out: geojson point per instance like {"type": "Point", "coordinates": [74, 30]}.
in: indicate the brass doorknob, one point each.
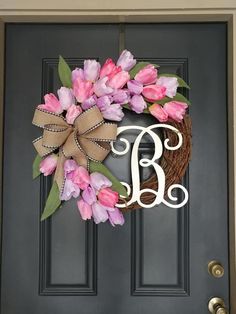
{"type": "Point", "coordinates": [217, 306]}
{"type": "Point", "coordinates": [216, 269]}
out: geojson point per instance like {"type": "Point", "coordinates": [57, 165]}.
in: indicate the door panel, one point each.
{"type": "Point", "coordinates": [157, 262]}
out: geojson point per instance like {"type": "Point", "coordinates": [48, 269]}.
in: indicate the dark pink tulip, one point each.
{"type": "Point", "coordinates": [158, 112]}
{"type": "Point", "coordinates": [146, 76]}
{"type": "Point", "coordinates": [176, 110]}
{"type": "Point", "coordinates": [154, 92]}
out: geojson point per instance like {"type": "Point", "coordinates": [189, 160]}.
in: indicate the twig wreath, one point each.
{"type": "Point", "coordinates": [80, 128]}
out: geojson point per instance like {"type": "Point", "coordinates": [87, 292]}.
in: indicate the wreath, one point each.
{"type": "Point", "coordinates": [80, 127]}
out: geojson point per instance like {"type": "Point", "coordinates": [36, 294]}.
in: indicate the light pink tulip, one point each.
{"type": "Point", "coordinates": [70, 190]}
{"type": "Point", "coordinates": [126, 60]}
{"type": "Point", "coordinates": [91, 70]}
{"type": "Point", "coordinates": [176, 110]}
{"type": "Point", "coordinates": [104, 102]}
{"type": "Point", "coordinates": [99, 181]}
{"type": "Point", "coordinates": [89, 195]}
{"type": "Point", "coordinates": [108, 197]}
{"type": "Point", "coordinates": [121, 96]}
{"type": "Point", "coordinates": [154, 92]}
{"type": "Point", "coordinates": [81, 177]}
{"type": "Point", "coordinates": [77, 73]}
{"type": "Point", "coordinates": [99, 213]}
{"type": "Point", "coordinates": [116, 217]}
{"type": "Point", "coordinates": [109, 69]}
{"type": "Point", "coordinates": [72, 113]}
{"type": "Point", "coordinates": [66, 97]}
{"type": "Point", "coordinates": [52, 104]}
{"type": "Point", "coordinates": [69, 166]}
{"type": "Point", "coordinates": [158, 112]}
{"type": "Point", "coordinates": [147, 75]}
{"type": "Point", "coordinates": [138, 104]}
{"type": "Point", "coordinates": [119, 80]}
{"type": "Point", "coordinates": [90, 102]}
{"type": "Point", "coordinates": [135, 87]}
{"type": "Point", "coordinates": [170, 83]}
{"type": "Point", "coordinates": [82, 89]}
{"type": "Point", "coordinates": [113, 112]}
{"type": "Point", "coordinates": [100, 87]}
{"type": "Point", "coordinates": [48, 165]}
{"type": "Point", "coordinates": [85, 209]}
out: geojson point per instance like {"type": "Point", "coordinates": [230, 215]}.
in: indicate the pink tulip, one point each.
{"type": "Point", "coordinates": [66, 97]}
{"type": "Point", "coordinates": [176, 110]}
{"type": "Point", "coordinates": [108, 197]}
{"type": "Point", "coordinates": [170, 83]}
{"type": "Point", "coordinates": [158, 112]}
{"type": "Point", "coordinates": [81, 177]}
{"type": "Point", "coordinates": [91, 70]}
{"type": "Point", "coordinates": [119, 80]}
{"type": "Point", "coordinates": [126, 60]}
{"type": "Point", "coordinates": [85, 209]}
{"type": "Point", "coordinates": [99, 181]}
{"type": "Point", "coordinates": [104, 102]}
{"type": "Point", "coordinates": [82, 89]}
{"type": "Point", "coordinates": [70, 189]}
{"type": "Point", "coordinates": [116, 217]}
{"type": "Point", "coordinates": [89, 195]}
{"type": "Point", "coordinates": [72, 113]}
{"type": "Point", "coordinates": [101, 88]}
{"type": "Point", "coordinates": [48, 165]}
{"type": "Point", "coordinates": [121, 96]}
{"type": "Point", "coordinates": [77, 73]}
{"type": "Point", "coordinates": [138, 104]}
{"type": "Point", "coordinates": [135, 87]}
{"type": "Point", "coordinates": [147, 75]}
{"type": "Point", "coordinates": [52, 104]}
{"type": "Point", "coordinates": [90, 102]}
{"type": "Point", "coordinates": [69, 166]}
{"type": "Point", "coordinates": [109, 69]}
{"type": "Point", "coordinates": [99, 213]}
{"type": "Point", "coordinates": [154, 92]}
{"type": "Point", "coordinates": [113, 112]}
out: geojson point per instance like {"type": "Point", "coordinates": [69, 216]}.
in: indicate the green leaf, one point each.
{"type": "Point", "coordinates": [180, 97]}
{"type": "Point", "coordinates": [139, 66]}
{"type": "Point", "coordinates": [116, 185]}
{"type": "Point", "coordinates": [36, 164]}
{"type": "Point", "coordinates": [181, 82]}
{"type": "Point", "coordinates": [52, 203]}
{"type": "Point", "coordinates": [64, 72]}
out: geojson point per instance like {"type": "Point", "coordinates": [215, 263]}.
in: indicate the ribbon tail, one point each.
{"type": "Point", "coordinates": [59, 173]}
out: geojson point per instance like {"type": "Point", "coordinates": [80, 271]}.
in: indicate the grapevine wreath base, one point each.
{"type": "Point", "coordinates": [80, 125]}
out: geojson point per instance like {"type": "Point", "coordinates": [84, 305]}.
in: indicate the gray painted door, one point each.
{"type": "Point", "coordinates": [157, 262]}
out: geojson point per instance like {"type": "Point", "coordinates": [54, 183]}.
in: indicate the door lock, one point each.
{"type": "Point", "coordinates": [217, 306]}
{"type": "Point", "coordinates": [216, 269]}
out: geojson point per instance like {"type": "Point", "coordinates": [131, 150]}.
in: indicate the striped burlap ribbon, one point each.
{"type": "Point", "coordinates": [88, 139]}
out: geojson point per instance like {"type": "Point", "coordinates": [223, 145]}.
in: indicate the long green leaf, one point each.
{"type": "Point", "coordinates": [181, 82]}
{"type": "Point", "coordinates": [64, 72]}
{"type": "Point", "coordinates": [116, 185]}
{"type": "Point", "coordinates": [52, 203]}
{"type": "Point", "coordinates": [35, 166]}
{"type": "Point", "coordinates": [139, 66]}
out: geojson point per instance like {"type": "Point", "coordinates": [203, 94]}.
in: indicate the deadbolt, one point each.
{"type": "Point", "coordinates": [217, 306]}
{"type": "Point", "coordinates": [216, 269]}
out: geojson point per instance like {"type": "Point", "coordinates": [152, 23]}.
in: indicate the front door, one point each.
{"type": "Point", "coordinates": [158, 261]}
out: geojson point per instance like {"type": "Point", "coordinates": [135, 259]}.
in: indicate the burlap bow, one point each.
{"type": "Point", "coordinates": [88, 139]}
